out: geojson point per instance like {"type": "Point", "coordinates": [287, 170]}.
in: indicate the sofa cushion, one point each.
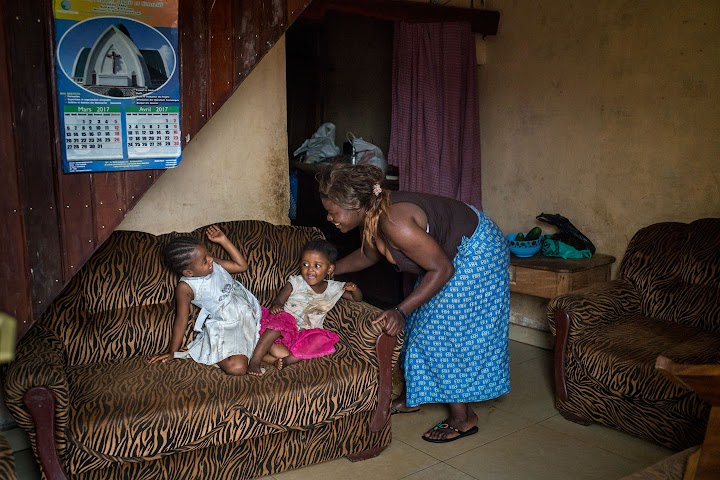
{"type": "Point", "coordinates": [129, 410]}
{"type": "Point", "coordinates": [621, 356]}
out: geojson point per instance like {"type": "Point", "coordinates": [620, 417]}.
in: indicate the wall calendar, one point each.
{"type": "Point", "coordinates": [118, 84]}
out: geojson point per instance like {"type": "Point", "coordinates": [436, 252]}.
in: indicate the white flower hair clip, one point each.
{"type": "Point", "coordinates": [377, 189]}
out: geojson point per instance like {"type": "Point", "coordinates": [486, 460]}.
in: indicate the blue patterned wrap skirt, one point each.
{"type": "Point", "coordinates": [456, 344]}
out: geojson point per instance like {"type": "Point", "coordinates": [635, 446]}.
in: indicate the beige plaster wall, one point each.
{"type": "Point", "coordinates": [607, 112]}
{"type": "Point", "coordinates": [236, 167]}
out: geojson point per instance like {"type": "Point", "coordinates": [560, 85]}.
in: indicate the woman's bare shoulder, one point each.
{"type": "Point", "coordinates": [403, 217]}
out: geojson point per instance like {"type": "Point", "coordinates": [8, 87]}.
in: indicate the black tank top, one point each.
{"type": "Point", "coordinates": [449, 220]}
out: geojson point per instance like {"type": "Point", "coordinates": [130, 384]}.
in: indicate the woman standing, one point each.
{"type": "Point", "coordinates": [456, 319]}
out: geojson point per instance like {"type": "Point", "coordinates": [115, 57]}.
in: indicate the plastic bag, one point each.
{"type": "Point", "coordinates": [320, 146]}
{"type": "Point", "coordinates": [567, 233]}
{"type": "Point", "coordinates": [366, 153]}
{"type": "Point", "coordinates": [556, 248]}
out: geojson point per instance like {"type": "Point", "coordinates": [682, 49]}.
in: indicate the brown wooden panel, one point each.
{"type": "Point", "coordinates": [15, 295]}
{"type": "Point", "coordinates": [484, 22]}
{"type": "Point", "coordinates": [29, 57]}
{"type": "Point", "coordinates": [295, 8]}
{"type": "Point", "coordinates": [76, 220]}
{"type": "Point", "coordinates": [109, 202]}
{"type": "Point", "coordinates": [222, 56]}
{"type": "Point", "coordinates": [193, 53]}
{"type": "Point", "coordinates": [137, 183]}
{"type": "Point", "coordinates": [272, 23]}
{"type": "Point", "coordinates": [246, 38]}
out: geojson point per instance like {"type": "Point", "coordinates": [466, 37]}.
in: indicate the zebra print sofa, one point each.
{"type": "Point", "coordinates": [666, 300]}
{"type": "Point", "coordinates": [94, 408]}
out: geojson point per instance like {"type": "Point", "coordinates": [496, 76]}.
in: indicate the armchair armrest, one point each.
{"type": "Point", "coordinates": [37, 394]}
{"type": "Point", "coordinates": [575, 314]}
{"type": "Point", "coordinates": [594, 306]}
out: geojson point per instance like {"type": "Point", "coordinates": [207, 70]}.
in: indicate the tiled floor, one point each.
{"type": "Point", "coordinates": [521, 437]}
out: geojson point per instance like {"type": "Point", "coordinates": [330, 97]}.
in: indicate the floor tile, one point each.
{"type": "Point", "coordinates": [539, 453]}
{"type": "Point", "coordinates": [492, 424]}
{"type": "Point", "coordinates": [522, 352]}
{"type": "Point", "coordinates": [397, 461]}
{"type": "Point", "coordinates": [531, 392]}
{"type": "Point", "coordinates": [441, 471]}
{"type": "Point", "coordinates": [26, 467]}
{"type": "Point", "coordinates": [609, 439]}
{"type": "Point", "coordinates": [17, 438]}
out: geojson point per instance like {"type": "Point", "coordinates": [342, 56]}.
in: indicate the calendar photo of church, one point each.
{"type": "Point", "coordinates": [116, 62]}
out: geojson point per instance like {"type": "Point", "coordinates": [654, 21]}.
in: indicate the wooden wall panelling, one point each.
{"type": "Point", "coordinates": [295, 9]}
{"type": "Point", "coordinates": [222, 56]}
{"type": "Point", "coordinates": [137, 183]}
{"type": "Point", "coordinates": [73, 207]}
{"type": "Point", "coordinates": [34, 145]}
{"type": "Point", "coordinates": [247, 38]}
{"type": "Point", "coordinates": [193, 53]}
{"type": "Point", "coordinates": [15, 286]}
{"type": "Point", "coordinates": [109, 202]}
{"type": "Point", "coordinates": [76, 220]}
{"type": "Point", "coordinates": [274, 23]}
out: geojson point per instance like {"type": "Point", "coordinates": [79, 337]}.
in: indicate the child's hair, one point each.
{"type": "Point", "coordinates": [178, 253]}
{"type": "Point", "coordinates": [324, 247]}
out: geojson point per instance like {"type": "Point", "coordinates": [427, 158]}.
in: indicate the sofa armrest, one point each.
{"type": "Point", "coordinates": [352, 321]}
{"type": "Point", "coordinates": [576, 314]}
{"type": "Point", "coordinates": [37, 394]}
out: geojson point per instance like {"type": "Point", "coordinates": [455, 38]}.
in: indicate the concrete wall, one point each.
{"type": "Point", "coordinates": [607, 112]}
{"type": "Point", "coordinates": [237, 166]}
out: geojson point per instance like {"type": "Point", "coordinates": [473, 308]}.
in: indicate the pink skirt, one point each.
{"type": "Point", "coordinates": [308, 343]}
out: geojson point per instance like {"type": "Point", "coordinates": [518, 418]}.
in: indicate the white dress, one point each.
{"type": "Point", "coordinates": [229, 318]}
{"type": "Point", "coordinates": [309, 308]}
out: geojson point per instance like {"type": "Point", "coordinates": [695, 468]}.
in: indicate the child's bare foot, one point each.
{"type": "Point", "coordinates": [255, 368]}
{"type": "Point", "coordinates": [280, 363]}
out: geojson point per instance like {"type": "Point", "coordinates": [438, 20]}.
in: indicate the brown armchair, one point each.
{"type": "Point", "coordinates": [665, 301]}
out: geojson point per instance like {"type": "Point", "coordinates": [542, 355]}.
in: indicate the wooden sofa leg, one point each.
{"type": "Point", "coordinates": [384, 347]}
{"type": "Point", "coordinates": [40, 402]}
{"type": "Point", "coordinates": [562, 331]}
{"type": "Point", "coordinates": [365, 454]}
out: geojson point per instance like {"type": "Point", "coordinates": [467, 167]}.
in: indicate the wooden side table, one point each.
{"type": "Point", "coordinates": [548, 277]}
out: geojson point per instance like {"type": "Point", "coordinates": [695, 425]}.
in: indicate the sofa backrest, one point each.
{"type": "Point", "coordinates": [676, 269]}
{"type": "Point", "coordinates": [121, 303]}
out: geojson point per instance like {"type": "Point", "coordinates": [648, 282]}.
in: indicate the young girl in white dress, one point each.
{"type": "Point", "coordinates": [291, 330]}
{"type": "Point", "coordinates": [229, 318]}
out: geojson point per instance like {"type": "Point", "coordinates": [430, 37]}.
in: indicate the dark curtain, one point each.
{"type": "Point", "coordinates": [435, 130]}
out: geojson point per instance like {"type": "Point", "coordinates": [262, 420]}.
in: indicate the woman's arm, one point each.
{"type": "Point", "coordinates": [357, 260]}
{"type": "Point", "coordinates": [237, 262]}
{"type": "Point", "coordinates": [183, 296]}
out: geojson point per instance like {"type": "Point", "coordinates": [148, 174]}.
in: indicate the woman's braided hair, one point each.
{"type": "Point", "coordinates": [180, 252]}
{"type": "Point", "coordinates": [352, 187]}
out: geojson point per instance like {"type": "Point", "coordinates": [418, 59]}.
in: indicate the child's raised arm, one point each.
{"type": "Point", "coordinates": [183, 296]}
{"type": "Point", "coordinates": [352, 292]}
{"type": "Point", "coordinates": [237, 262]}
{"type": "Point", "coordinates": [277, 305]}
